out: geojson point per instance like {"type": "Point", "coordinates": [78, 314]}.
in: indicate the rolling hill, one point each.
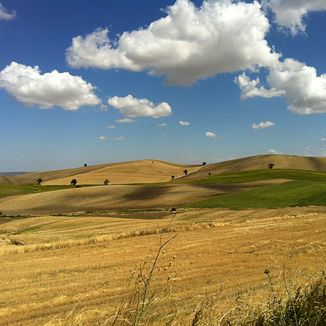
{"type": "Point", "coordinates": [260, 162]}
{"type": "Point", "coordinates": [143, 171]}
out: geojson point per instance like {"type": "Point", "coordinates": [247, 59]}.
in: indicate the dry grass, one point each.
{"type": "Point", "coordinates": [261, 162]}
{"type": "Point", "coordinates": [218, 259]}
{"type": "Point", "coordinates": [145, 171]}
{"type": "Point", "coordinates": [105, 198]}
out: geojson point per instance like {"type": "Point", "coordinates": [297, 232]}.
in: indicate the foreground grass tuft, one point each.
{"type": "Point", "coordinates": [305, 307]}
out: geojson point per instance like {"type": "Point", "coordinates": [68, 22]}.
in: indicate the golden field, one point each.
{"type": "Point", "coordinates": [129, 172]}
{"type": "Point", "coordinates": [75, 269]}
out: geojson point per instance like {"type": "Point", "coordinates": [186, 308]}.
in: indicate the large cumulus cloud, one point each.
{"type": "Point", "coordinates": [186, 45]}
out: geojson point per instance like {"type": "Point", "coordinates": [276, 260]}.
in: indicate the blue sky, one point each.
{"type": "Point", "coordinates": [62, 120]}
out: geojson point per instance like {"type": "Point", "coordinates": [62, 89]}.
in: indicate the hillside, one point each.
{"type": "Point", "coordinates": [260, 162]}
{"type": "Point", "coordinates": [144, 171]}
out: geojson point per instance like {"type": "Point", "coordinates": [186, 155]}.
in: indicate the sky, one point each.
{"type": "Point", "coordinates": [185, 81]}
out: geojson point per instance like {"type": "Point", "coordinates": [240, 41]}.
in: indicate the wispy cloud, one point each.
{"type": "Point", "coordinates": [111, 127]}
{"type": "Point", "coordinates": [184, 123]}
{"type": "Point", "coordinates": [161, 125]}
{"type": "Point", "coordinates": [263, 125]}
{"type": "Point", "coordinates": [125, 120]}
{"type": "Point", "coordinates": [211, 135]}
{"type": "Point", "coordinates": [273, 151]}
{"type": "Point", "coordinates": [5, 14]}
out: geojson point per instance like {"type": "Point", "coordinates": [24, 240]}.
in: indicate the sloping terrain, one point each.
{"type": "Point", "coordinates": [261, 162]}
{"type": "Point", "coordinates": [104, 198]}
{"type": "Point", "coordinates": [143, 171]}
{"type": "Point", "coordinates": [30, 178]}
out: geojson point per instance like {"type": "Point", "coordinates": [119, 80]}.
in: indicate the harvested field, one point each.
{"type": "Point", "coordinates": [84, 263]}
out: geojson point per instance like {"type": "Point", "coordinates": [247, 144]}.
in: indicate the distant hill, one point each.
{"type": "Point", "coordinates": [153, 171]}
{"type": "Point", "coordinates": [130, 172]}
{"type": "Point", "coordinates": [260, 162]}
{"type": "Point", "coordinates": [8, 174]}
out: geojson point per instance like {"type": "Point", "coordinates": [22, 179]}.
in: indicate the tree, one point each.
{"type": "Point", "coordinates": [204, 163]}
{"type": "Point", "coordinates": [39, 181]}
{"type": "Point", "coordinates": [172, 177]}
{"type": "Point", "coordinates": [209, 174]}
{"type": "Point", "coordinates": [271, 165]}
{"type": "Point", "coordinates": [106, 182]}
{"type": "Point", "coordinates": [185, 172]}
{"type": "Point", "coordinates": [73, 182]}
{"type": "Point", "coordinates": [85, 165]}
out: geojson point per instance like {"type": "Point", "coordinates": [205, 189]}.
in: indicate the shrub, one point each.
{"type": "Point", "coordinates": [73, 182]}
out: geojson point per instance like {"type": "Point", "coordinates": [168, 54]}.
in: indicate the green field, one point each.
{"type": "Point", "coordinates": [292, 193]}
{"type": "Point", "coordinates": [13, 190]}
{"type": "Point", "coordinates": [250, 176]}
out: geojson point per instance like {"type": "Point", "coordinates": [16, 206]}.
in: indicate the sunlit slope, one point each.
{"type": "Point", "coordinates": [144, 171]}
{"type": "Point", "coordinates": [30, 178]}
{"type": "Point", "coordinates": [260, 162]}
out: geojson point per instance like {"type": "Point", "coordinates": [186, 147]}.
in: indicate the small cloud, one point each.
{"type": "Point", "coordinates": [161, 125]}
{"type": "Point", "coordinates": [125, 120]}
{"type": "Point", "coordinates": [273, 151]}
{"type": "Point", "coordinates": [132, 107]}
{"type": "Point", "coordinates": [5, 14]}
{"type": "Point", "coordinates": [102, 138]}
{"type": "Point", "coordinates": [120, 138]}
{"type": "Point", "coordinates": [262, 125]}
{"type": "Point", "coordinates": [184, 123]}
{"type": "Point", "coordinates": [111, 127]}
{"type": "Point", "coordinates": [323, 138]}
{"type": "Point", "coordinates": [211, 134]}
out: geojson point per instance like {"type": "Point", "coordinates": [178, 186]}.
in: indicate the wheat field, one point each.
{"type": "Point", "coordinates": [76, 269]}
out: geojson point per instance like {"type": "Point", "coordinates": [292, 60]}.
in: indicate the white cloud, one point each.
{"type": "Point", "coordinates": [323, 139]}
{"type": "Point", "coordinates": [161, 125]}
{"type": "Point", "coordinates": [119, 138]}
{"type": "Point", "coordinates": [290, 13]}
{"type": "Point", "coordinates": [211, 134]}
{"type": "Point", "coordinates": [262, 125]}
{"type": "Point", "coordinates": [184, 123]}
{"type": "Point", "coordinates": [5, 14]}
{"type": "Point", "coordinates": [125, 120]}
{"type": "Point", "coordinates": [303, 89]}
{"type": "Point", "coordinates": [132, 107]}
{"type": "Point", "coordinates": [96, 50]}
{"type": "Point", "coordinates": [249, 88]}
{"type": "Point", "coordinates": [220, 36]}
{"type": "Point", "coordinates": [102, 138]}
{"type": "Point", "coordinates": [111, 127]}
{"type": "Point", "coordinates": [273, 151]}
{"type": "Point", "coordinates": [27, 85]}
